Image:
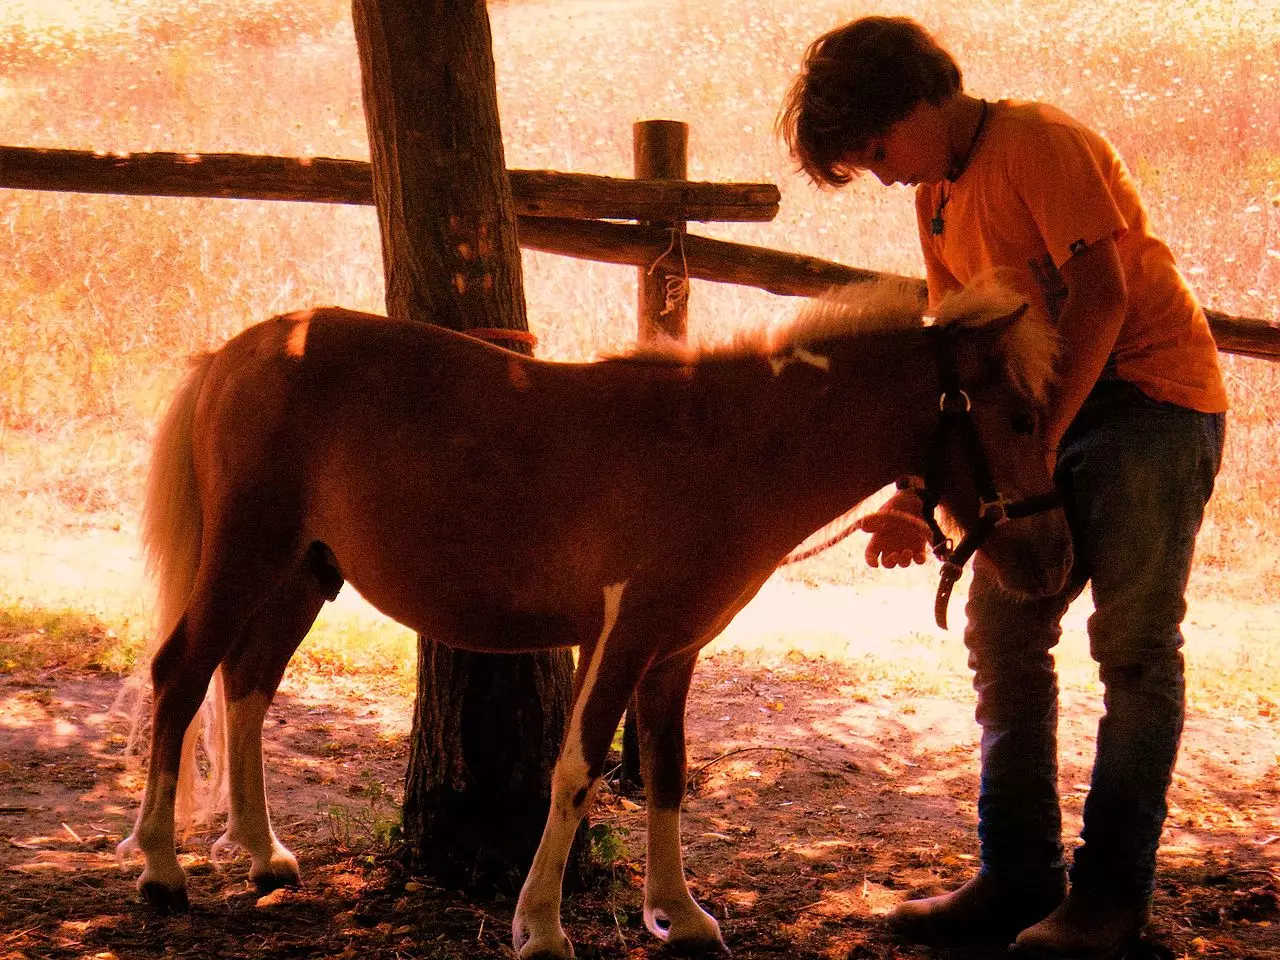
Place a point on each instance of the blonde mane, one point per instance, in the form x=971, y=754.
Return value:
x=1029, y=348
x=878, y=306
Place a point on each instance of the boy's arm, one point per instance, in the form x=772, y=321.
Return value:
x=1088, y=324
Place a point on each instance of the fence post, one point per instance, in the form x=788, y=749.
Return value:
x=661, y=149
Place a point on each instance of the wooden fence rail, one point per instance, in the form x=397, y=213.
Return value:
x=537, y=193
x=791, y=274
x=559, y=213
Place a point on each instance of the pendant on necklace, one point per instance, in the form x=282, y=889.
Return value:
x=937, y=223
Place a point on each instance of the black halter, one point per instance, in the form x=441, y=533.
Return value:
x=993, y=510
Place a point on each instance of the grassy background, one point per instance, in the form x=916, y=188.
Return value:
x=102, y=298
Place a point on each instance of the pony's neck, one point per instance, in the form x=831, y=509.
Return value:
x=874, y=412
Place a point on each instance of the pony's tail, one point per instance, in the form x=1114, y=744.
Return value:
x=172, y=527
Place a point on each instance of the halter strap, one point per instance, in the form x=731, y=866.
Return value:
x=955, y=415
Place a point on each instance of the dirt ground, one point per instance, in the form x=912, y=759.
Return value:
x=823, y=792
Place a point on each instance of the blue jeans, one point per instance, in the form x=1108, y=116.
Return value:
x=1135, y=475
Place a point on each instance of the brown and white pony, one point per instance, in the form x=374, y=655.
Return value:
x=629, y=507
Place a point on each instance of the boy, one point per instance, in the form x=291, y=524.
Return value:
x=1134, y=429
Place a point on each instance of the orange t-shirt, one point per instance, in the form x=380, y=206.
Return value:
x=1039, y=184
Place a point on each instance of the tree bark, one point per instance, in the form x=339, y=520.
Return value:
x=487, y=728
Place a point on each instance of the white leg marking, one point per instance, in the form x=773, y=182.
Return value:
x=153, y=835
x=249, y=823
x=535, y=928
x=799, y=355
x=670, y=912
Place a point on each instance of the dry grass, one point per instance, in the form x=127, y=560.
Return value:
x=102, y=297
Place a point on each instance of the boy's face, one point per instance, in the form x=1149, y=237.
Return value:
x=913, y=151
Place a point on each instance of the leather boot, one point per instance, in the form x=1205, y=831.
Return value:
x=1089, y=925
x=988, y=910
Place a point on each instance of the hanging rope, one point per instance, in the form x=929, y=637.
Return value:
x=820, y=547
x=675, y=288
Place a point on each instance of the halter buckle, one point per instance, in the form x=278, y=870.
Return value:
x=998, y=509
x=945, y=406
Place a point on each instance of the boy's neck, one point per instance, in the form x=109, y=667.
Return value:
x=964, y=116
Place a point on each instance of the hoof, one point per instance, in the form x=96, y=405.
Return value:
x=165, y=899
x=527, y=950
x=275, y=879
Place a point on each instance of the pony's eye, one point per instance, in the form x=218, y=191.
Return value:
x=1023, y=423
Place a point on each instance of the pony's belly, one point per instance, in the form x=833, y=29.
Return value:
x=479, y=623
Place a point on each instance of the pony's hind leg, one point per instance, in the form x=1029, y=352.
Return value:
x=227, y=592
x=180, y=676
x=251, y=674
x=670, y=912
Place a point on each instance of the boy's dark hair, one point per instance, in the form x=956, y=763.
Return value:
x=855, y=83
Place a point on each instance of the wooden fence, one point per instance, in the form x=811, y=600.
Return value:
x=563, y=213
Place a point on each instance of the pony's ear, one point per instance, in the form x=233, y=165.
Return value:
x=988, y=333
x=1021, y=345
x=998, y=326
x=978, y=350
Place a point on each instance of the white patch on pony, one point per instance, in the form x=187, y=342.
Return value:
x=249, y=823
x=670, y=912
x=780, y=362
x=535, y=928
x=612, y=606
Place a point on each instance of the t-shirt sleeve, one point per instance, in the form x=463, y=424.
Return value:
x=1064, y=181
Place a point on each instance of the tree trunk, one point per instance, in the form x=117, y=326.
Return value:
x=486, y=729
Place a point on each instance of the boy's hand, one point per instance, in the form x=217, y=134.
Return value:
x=899, y=535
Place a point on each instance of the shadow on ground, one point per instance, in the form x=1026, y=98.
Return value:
x=820, y=796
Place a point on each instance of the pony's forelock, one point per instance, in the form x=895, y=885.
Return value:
x=1029, y=347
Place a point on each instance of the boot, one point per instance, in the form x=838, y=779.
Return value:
x=988, y=910
x=1089, y=925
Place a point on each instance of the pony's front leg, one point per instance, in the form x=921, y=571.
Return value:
x=670, y=912
x=535, y=928
x=605, y=680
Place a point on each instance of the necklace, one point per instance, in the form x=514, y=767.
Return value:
x=937, y=223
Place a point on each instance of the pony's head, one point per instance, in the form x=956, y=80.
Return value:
x=982, y=370
x=987, y=465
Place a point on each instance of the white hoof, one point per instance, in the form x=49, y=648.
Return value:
x=279, y=870
x=544, y=945
x=686, y=925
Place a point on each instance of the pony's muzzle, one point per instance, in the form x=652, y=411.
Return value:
x=1037, y=561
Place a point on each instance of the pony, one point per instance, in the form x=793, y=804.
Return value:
x=628, y=506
